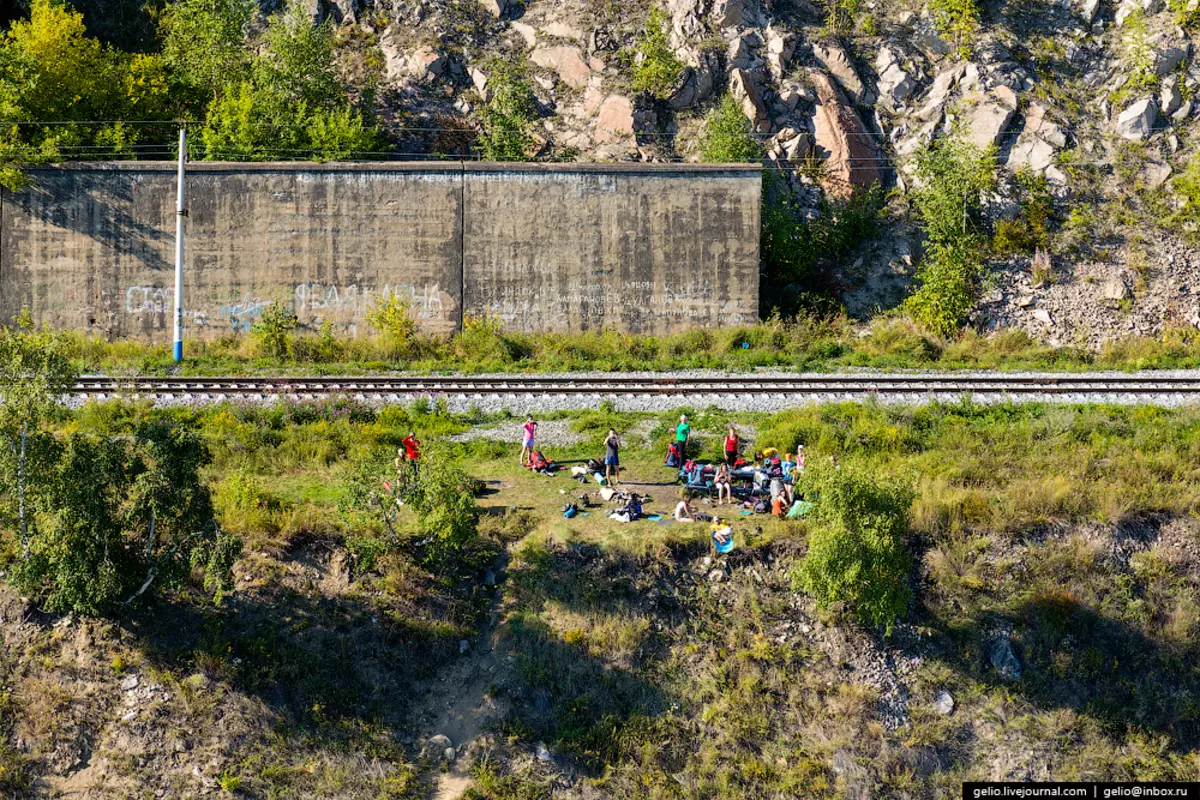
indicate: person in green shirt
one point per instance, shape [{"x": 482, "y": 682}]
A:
[{"x": 683, "y": 435}]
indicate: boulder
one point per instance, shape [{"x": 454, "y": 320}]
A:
[
  {"x": 1124, "y": 10},
  {"x": 497, "y": 8},
  {"x": 1170, "y": 99},
  {"x": 527, "y": 32},
  {"x": 436, "y": 745},
  {"x": 1136, "y": 122},
  {"x": 479, "y": 81},
  {"x": 1039, "y": 124},
  {"x": 562, "y": 30},
  {"x": 988, "y": 121},
  {"x": 944, "y": 703},
  {"x": 426, "y": 65},
  {"x": 1033, "y": 154},
  {"x": 1167, "y": 59},
  {"x": 798, "y": 149},
  {"x": 743, "y": 51},
  {"x": 852, "y": 160},
  {"x": 615, "y": 121},
  {"x": 1184, "y": 111},
  {"x": 567, "y": 62},
  {"x": 745, "y": 90},
  {"x": 1088, "y": 10},
  {"x": 1113, "y": 291},
  {"x": 345, "y": 11},
  {"x": 781, "y": 46},
  {"x": 729, "y": 13},
  {"x": 838, "y": 64},
  {"x": 895, "y": 86},
  {"x": 1155, "y": 174},
  {"x": 697, "y": 83},
  {"x": 926, "y": 37},
  {"x": 394, "y": 58}
]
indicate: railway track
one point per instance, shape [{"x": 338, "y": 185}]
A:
[{"x": 1098, "y": 384}]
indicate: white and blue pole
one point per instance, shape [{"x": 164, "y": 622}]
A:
[{"x": 180, "y": 213}]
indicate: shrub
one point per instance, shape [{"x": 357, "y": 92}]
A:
[
  {"x": 273, "y": 330},
  {"x": 958, "y": 20},
  {"x": 1187, "y": 187},
  {"x": 655, "y": 69},
  {"x": 841, "y": 16},
  {"x": 508, "y": 116},
  {"x": 728, "y": 137},
  {"x": 856, "y": 551},
  {"x": 392, "y": 317},
  {"x": 1029, "y": 231},
  {"x": 953, "y": 176}
]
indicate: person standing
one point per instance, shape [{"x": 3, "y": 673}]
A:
[
  {"x": 612, "y": 458},
  {"x": 528, "y": 439},
  {"x": 800, "y": 458},
  {"x": 412, "y": 447},
  {"x": 683, "y": 436},
  {"x": 731, "y": 445}
]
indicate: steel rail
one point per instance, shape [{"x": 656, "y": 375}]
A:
[{"x": 1049, "y": 384}]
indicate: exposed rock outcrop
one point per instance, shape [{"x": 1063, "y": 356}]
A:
[{"x": 851, "y": 160}]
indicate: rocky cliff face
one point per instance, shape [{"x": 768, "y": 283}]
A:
[{"x": 1097, "y": 99}]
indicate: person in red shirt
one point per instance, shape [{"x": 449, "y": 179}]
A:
[
  {"x": 412, "y": 447},
  {"x": 731, "y": 446}
]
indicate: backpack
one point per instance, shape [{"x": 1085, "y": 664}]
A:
[
  {"x": 762, "y": 507},
  {"x": 537, "y": 461},
  {"x": 673, "y": 456},
  {"x": 570, "y": 510}
]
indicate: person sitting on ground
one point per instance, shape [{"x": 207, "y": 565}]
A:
[
  {"x": 780, "y": 505},
  {"x": 721, "y": 534},
  {"x": 612, "y": 457},
  {"x": 683, "y": 435},
  {"x": 731, "y": 445},
  {"x": 724, "y": 485},
  {"x": 529, "y": 437},
  {"x": 683, "y": 511}
]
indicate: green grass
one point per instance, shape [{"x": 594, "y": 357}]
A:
[{"x": 808, "y": 344}]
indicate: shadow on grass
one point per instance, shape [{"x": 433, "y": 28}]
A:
[
  {"x": 333, "y": 665},
  {"x": 1075, "y": 657},
  {"x": 568, "y": 696}
]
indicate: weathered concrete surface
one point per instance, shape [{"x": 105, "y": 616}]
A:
[
  {"x": 92, "y": 246},
  {"x": 586, "y": 247},
  {"x": 575, "y": 247}
]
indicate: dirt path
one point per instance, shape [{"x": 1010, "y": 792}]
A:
[{"x": 459, "y": 706}]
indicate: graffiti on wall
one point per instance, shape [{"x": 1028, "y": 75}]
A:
[{"x": 426, "y": 301}]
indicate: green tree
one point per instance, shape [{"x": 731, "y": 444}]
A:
[
  {"x": 656, "y": 69},
  {"x": 292, "y": 102},
  {"x": 952, "y": 177},
  {"x": 728, "y": 136},
  {"x": 35, "y": 371},
  {"x": 857, "y": 555},
  {"x": 507, "y": 117},
  {"x": 50, "y": 70},
  {"x": 958, "y": 21},
  {"x": 204, "y": 42},
  {"x": 120, "y": 514}
]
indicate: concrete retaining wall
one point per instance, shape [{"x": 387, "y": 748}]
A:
[{"x": 576, "y": 247}]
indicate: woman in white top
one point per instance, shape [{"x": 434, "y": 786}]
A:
[{"x": 683, "y": 511}]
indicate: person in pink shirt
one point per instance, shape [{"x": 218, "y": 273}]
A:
[{"x": 530, "y": 436}]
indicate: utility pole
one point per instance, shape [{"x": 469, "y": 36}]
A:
[{"x": 180, "y": 213}]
